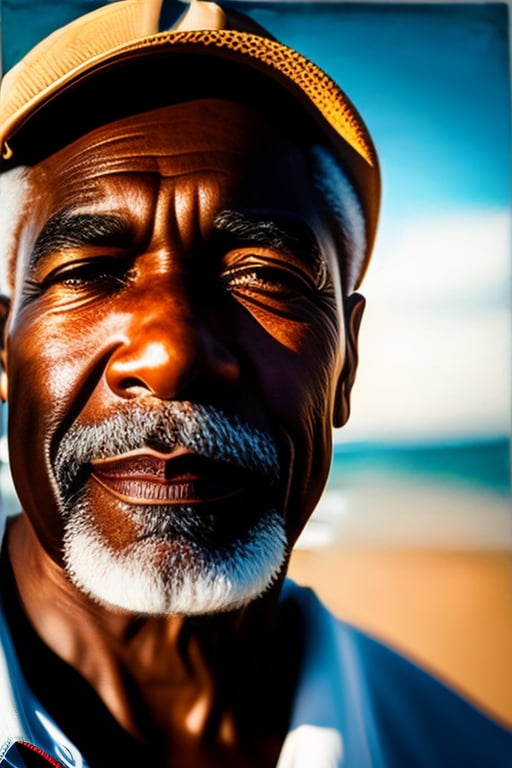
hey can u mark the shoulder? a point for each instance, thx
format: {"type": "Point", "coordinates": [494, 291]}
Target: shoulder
{"type": "Point", "coordinates": [403, 713]}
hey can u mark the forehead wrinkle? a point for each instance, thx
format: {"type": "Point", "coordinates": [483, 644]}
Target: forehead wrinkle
{"type": "Point", "coordinates": [204, 135]}
{"type": "Point", "coordinates": [135, 151]}
{"type": "Point", "coordinates": [185, 208]}
{"type": "Point", "coordinates": [162, 161]}
{"type": "Point", "coordinates": [213, 123]}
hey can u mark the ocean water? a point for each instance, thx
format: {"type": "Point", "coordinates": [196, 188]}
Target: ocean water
{"type": "Point", "coordinates": [483, 464]}
{"type": "Point", "coordinates": [454, 495]}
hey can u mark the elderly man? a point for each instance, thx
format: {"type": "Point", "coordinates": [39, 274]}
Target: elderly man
{"type": "Point", "coordinates": [185, 217]}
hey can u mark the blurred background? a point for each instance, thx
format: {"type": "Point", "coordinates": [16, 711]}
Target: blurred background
{"type": "Point", "coordinates": [413, 538]}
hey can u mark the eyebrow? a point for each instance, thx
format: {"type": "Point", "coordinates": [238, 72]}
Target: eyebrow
{"type": "Point", "coordinates": [290, 235]}
{"type": "Point", "coordinates": [70, 230]}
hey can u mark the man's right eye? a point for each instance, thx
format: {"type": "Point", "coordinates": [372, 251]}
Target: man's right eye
{"type": "Point", "coordinates": [97, 272]}
{"type": "Point", "coordinates": [81, 279]}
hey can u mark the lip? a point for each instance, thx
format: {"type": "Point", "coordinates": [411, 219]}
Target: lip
{"type": "Point", "coordinates": [148, 477]}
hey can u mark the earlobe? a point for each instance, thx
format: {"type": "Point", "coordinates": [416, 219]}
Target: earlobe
{"type": "Point", "coordinates": [3, 386]}
{"type": "Point", "coordinates": [354, 309]}
{"type": "Point", "coordinates": [5, 306]}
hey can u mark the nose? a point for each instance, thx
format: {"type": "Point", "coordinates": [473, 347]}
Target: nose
{"type": "Point", "coordinates": [169, 352]}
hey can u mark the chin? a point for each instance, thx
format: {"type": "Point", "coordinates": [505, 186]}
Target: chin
{"type": "Point", "coordinates": [175, 569]}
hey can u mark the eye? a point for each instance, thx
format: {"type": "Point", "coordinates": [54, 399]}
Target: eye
{"type": "Point", "coordinates": [265, 274]}
{"type": "Point", "coordinates": [97, 272]}
{"type": "Point", "coordinates": [267, 279]}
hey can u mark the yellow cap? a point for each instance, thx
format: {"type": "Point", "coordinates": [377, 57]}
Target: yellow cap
{"type": "Point", "coordinates": [119, 41]}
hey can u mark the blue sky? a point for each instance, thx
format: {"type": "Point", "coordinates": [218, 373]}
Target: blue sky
{"type": "Point", "coordinates": [432, 82]}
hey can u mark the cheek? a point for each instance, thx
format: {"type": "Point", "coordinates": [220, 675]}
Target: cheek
{"type": "Point", "coordinates": [43, 362]}
{"type": "Point", "coordinates": [53, 351]}
{"type": "Point", "coordinates": [31, 414]}
{"type": "Point", "coordinates": [302, 395]}
{"type": "Point", "coordinates": [297, 362]}
{"type": "Point", "coordinates": [297, 365]}
{"type": "Point", "coordinates": [48, 368]}
{"type": "Point", "coordinates": [300, 387]}
{"type": "Point", "coordinates": [51, 367]}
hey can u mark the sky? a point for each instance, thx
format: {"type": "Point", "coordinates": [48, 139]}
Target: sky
{"type": "Point", "coordinates": [432, 81]}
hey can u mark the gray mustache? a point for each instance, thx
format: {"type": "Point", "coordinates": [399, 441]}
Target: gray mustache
{"type": "Point", "coordinates": [202, 429]}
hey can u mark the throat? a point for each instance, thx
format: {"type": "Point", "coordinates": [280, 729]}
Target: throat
{"type": "Point", "coordinates": [204, 691]}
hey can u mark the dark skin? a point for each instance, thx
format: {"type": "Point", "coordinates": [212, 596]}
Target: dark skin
{"type": "Point", "coordinates": [168, 308]}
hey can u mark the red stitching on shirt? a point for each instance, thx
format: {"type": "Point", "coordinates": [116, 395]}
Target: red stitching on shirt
{"type": "Point", "coordinates": [42, 754]}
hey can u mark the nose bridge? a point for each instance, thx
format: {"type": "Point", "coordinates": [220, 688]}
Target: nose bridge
{"type": "Point", "coordinates": [168, 347]}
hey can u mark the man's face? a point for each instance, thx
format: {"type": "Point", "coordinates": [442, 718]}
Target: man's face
{"type": "Point", "coordinates": [173, 351]}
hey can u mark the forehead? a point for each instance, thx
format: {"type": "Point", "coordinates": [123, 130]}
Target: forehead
{"type": "Point", "coordinates": [222, 141]}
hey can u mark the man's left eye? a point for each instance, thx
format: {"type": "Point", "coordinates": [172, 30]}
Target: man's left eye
{"type": "Point", "coordinates": [266, 279]}
{"type": "Point", "coordinates": [276, 280]}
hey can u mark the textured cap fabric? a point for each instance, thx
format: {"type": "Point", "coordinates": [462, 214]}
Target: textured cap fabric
{"type": "Point", "coordinates": [57, 84]}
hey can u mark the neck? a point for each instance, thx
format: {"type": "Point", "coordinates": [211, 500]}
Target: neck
{"type": "Point", "coordinates": [225, 679]}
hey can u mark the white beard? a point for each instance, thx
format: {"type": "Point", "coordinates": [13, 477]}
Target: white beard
{"type": "Point", "coordinates": [178, 561]}
{"type": "Point", "coordinates": [159, 574]}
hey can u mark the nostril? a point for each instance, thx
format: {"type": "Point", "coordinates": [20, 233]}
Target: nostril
{"type": "Point", "coordinates": [132, 384]}
{"type": "Point", "coordinates": [170, 357]}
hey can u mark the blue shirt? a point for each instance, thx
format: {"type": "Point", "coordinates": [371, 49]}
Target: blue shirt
{"type": "Point", "coordinates": [357, 704]}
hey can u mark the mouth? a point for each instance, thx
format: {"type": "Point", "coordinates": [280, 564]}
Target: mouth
{"type": "Point", "coordinates": [148, 477]}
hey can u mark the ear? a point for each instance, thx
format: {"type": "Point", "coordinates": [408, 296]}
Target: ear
{"type": "Point", "coordinates": [353, 312]}
{"type": "Point", "coordinates": [5, 306]}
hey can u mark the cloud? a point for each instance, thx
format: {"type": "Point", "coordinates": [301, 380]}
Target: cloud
{"type": "Point", "coordinates": [461, 257]}
{"type": "Point", "coordinates": [436, 341]}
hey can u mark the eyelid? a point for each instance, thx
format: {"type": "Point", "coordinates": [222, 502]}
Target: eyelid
{"type": "Point", "coordinates": [73, 258]}
{"type": "Point", "coordinates": [316, 273]}
{"type": "Point", "coordinates": [258, 256]}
